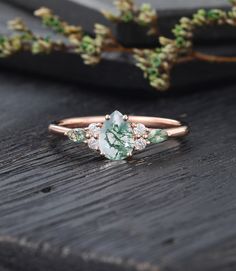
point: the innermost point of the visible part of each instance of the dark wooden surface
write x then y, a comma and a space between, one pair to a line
172, 207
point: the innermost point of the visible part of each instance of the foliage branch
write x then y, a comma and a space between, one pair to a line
155, 63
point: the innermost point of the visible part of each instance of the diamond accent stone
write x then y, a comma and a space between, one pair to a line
140, 144
76, 135
93, 144
116, 140
94, 129
140, 129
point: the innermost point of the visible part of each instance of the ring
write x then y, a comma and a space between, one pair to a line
117, 136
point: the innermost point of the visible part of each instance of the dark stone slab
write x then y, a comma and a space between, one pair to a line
117, 73
70, 67
87, 13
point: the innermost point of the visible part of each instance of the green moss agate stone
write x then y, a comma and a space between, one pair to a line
116, 140
76, 135
157, 136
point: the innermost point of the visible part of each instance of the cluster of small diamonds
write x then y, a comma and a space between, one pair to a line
92, 134
87, 135
140, 136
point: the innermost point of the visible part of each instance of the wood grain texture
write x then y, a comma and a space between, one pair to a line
172, 207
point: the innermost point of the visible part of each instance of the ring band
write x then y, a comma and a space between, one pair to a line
116, 136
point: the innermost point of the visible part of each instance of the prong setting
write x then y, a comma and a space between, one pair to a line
130, 154
125, 117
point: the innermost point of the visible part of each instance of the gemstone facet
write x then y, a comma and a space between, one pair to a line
116, 140
140, 144
157, 136
76, 135
140, 129
94, 129
93, 144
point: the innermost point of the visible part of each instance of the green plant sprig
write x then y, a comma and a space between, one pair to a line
156, 64
25, 40
144, 15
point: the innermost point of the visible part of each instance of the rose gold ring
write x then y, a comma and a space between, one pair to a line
116, 136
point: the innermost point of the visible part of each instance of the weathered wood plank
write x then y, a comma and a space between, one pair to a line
172, 206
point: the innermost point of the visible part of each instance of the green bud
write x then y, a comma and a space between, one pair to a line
145, 7
180, 42
155, 60
215, 14
127, 16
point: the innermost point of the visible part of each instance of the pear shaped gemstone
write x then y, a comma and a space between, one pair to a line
116, 140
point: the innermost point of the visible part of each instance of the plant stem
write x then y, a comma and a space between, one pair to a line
118, 49
194, 55
207, 58
213, 58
